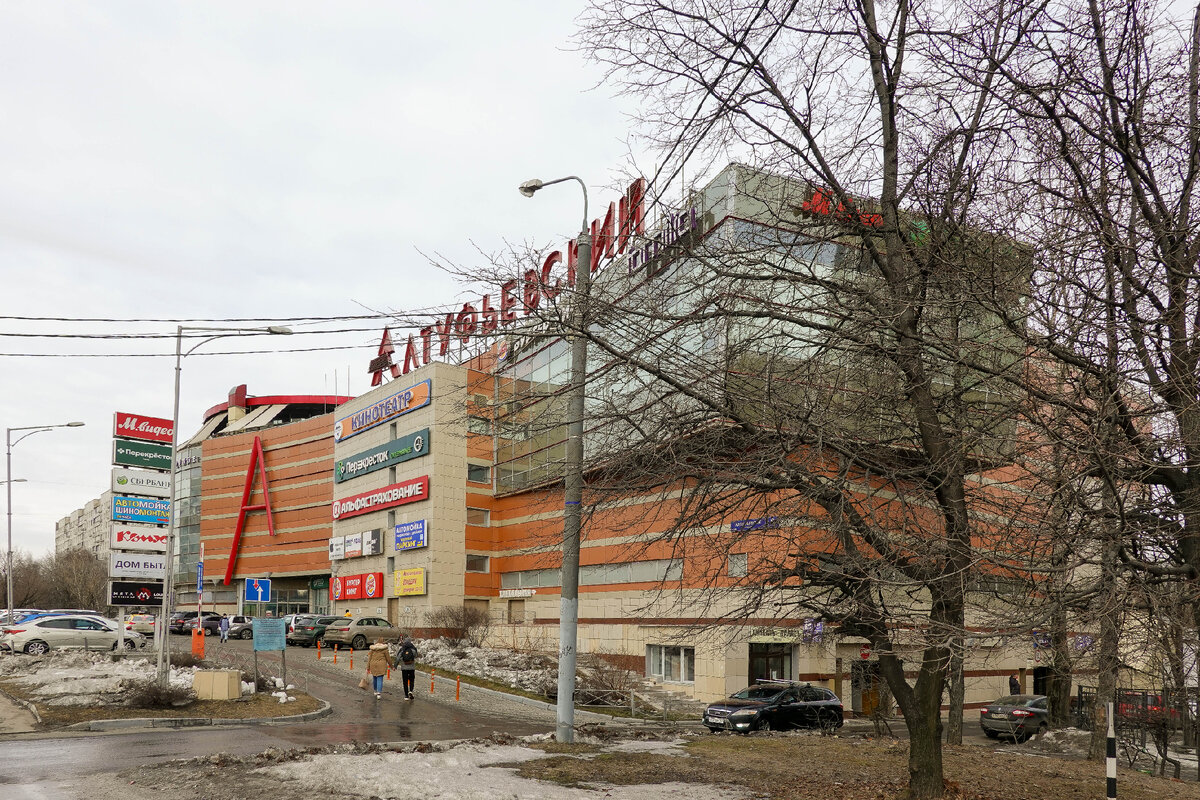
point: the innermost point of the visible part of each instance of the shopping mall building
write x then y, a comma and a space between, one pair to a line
439, 487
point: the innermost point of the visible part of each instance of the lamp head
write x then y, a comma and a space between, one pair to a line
74, 424
279, 329
529, 187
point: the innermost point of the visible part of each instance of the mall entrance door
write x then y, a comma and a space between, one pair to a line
770, 661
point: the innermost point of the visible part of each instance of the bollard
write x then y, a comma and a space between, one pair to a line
335, 649
1110, 758
457, 687
352, 659
431, 681
388, 677
318, 649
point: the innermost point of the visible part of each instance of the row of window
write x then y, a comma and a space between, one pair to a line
668, 569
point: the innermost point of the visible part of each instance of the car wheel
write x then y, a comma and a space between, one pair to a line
37, 648
358, 643
991, 734
247, 634
828, 721
130, 645
766, 725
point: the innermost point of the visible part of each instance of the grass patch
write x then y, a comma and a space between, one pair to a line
255, 706
812, 767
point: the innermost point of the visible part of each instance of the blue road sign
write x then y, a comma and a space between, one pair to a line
258, 590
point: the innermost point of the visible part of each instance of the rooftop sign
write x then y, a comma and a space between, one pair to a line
624, 219
147, 429
385, 410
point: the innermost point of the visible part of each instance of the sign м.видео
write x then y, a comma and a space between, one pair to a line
385, 410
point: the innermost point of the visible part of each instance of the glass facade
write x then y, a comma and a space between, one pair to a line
187, 521
530, 407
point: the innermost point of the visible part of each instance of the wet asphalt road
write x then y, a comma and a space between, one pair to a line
28, 762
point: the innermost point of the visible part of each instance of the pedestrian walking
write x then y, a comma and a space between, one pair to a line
1014, 684
224, 627
406, 660
377, 665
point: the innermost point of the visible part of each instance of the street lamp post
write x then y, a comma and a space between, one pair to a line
164, 663
9, 444
568, 624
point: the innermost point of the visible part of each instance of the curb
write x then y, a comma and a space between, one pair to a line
196, 722
25, 704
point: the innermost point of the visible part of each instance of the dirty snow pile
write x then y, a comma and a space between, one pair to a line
463, 772
78, 678
532, 672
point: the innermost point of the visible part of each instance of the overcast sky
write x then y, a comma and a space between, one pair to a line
265, 160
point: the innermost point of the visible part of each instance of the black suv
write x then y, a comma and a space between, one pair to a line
775, 706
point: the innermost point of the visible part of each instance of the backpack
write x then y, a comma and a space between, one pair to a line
407, 654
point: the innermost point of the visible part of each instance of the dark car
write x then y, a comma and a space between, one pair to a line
775, 707
309, 630
185, 622
240, 627
1017, 715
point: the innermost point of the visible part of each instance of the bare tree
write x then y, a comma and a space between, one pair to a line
833, 365
1108, 95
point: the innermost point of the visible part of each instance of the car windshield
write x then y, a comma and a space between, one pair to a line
757, 693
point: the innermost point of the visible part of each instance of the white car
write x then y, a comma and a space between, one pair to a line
42, 634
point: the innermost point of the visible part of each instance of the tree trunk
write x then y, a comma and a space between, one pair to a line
1058, 682
1107, 660
958, 691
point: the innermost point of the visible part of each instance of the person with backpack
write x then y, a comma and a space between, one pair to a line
406, 661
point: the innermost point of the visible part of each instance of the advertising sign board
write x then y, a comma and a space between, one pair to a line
409, 582
406, 448
357, 587
138, 426
140, 482
137, 537
146, 566
411, 535
353, 545
268, 634
142, 454
337, 548
397, 494
151, 510
385, 410
135, 593
372, 542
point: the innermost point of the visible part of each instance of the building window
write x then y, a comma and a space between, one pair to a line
479, 473
671, 663
477, 563
516, 612
737, 565
479, 425
478, 516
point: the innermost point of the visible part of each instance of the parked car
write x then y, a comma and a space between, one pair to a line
359, 632
240, 627
292, 620
142, 623
310, 631
1017, 715
185, 622
775, 706
42, 634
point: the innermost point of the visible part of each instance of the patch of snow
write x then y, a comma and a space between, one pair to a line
662, 748
465, 772
78, 678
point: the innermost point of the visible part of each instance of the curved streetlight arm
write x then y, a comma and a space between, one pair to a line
529, 187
